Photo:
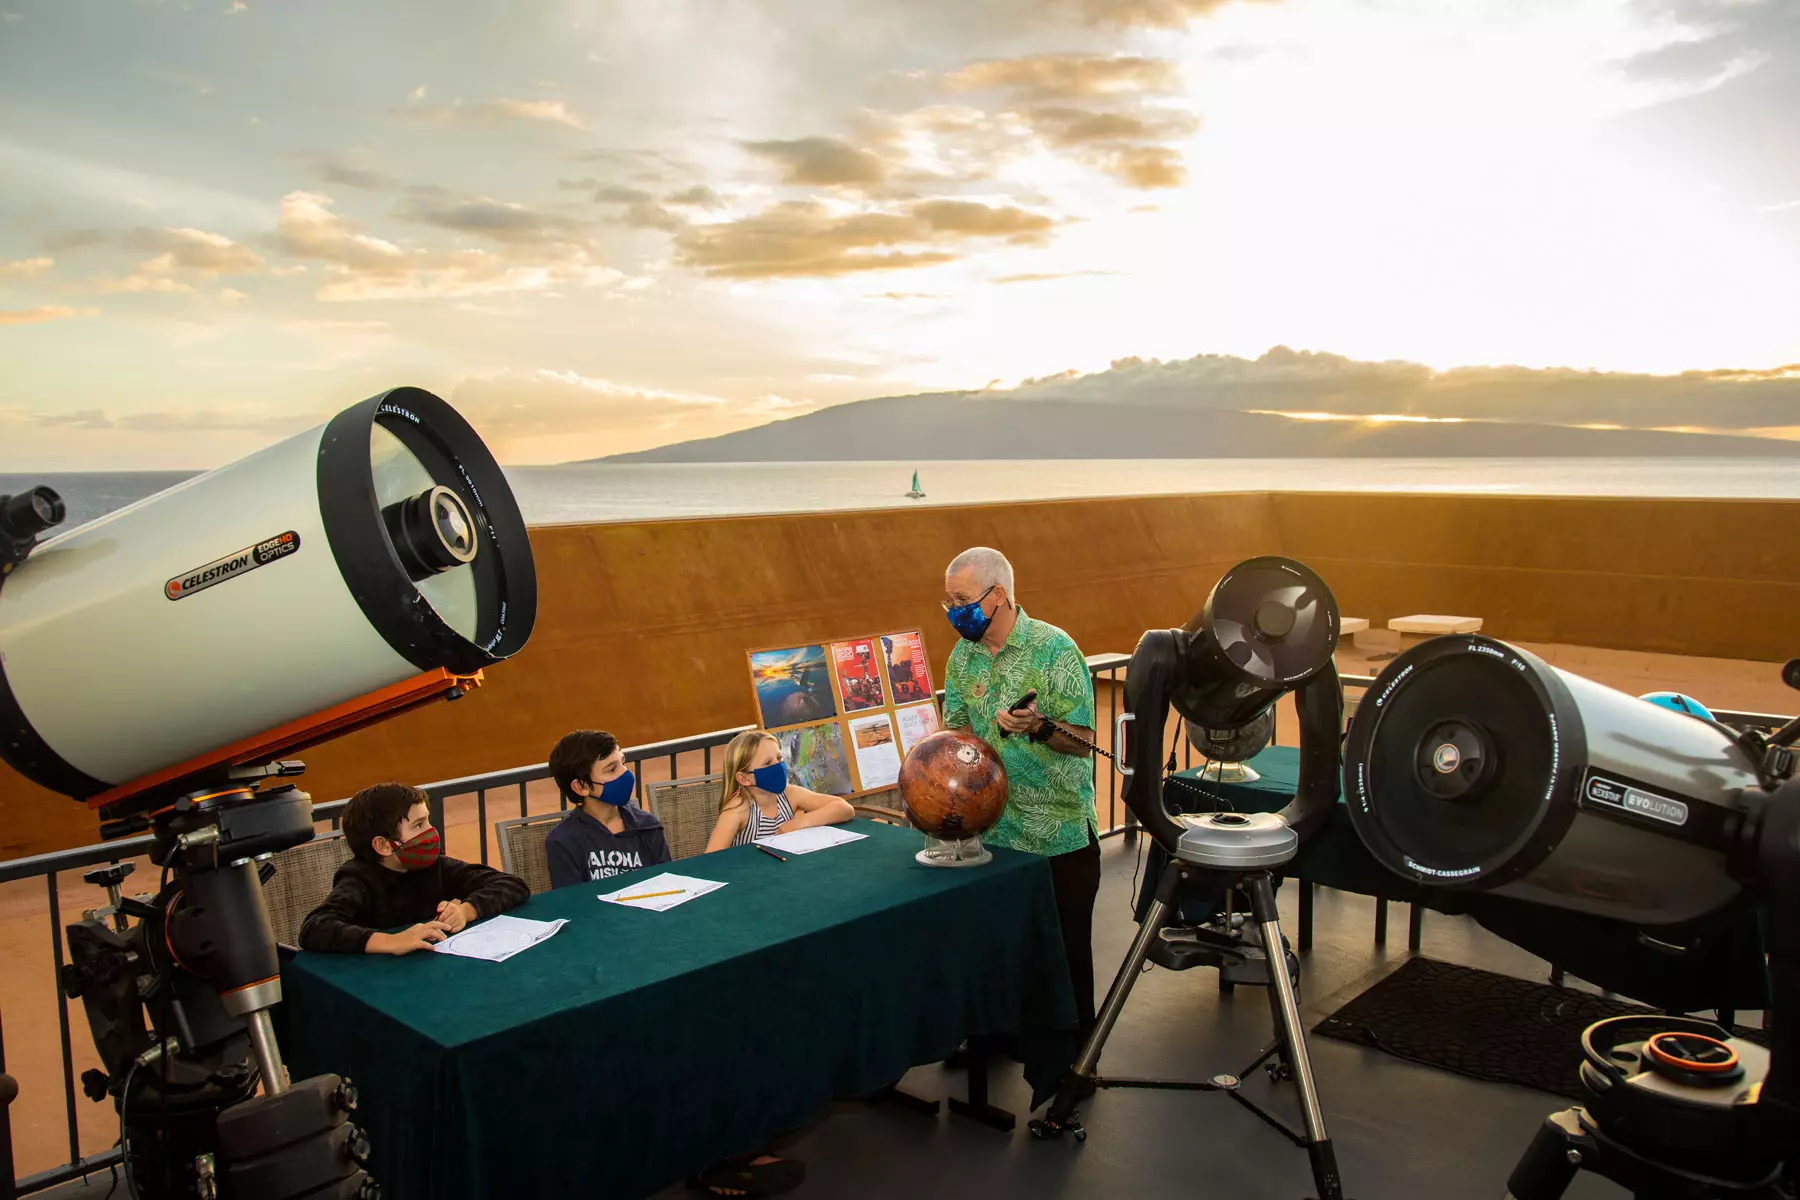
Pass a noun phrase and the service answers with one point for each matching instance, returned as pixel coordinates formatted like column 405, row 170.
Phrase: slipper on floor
column 765, row 1179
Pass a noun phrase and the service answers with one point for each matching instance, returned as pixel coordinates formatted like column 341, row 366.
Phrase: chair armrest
column 876, row 812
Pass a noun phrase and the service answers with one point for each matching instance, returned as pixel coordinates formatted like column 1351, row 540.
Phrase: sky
column 602, row 225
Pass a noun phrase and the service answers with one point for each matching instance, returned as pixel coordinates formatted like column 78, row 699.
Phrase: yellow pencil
column 652, row 895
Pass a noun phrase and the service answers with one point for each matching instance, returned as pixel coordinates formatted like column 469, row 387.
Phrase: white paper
column 877, row 758
column 916, row 724
column 498, row 938
column 805, row 841
column 682, row 888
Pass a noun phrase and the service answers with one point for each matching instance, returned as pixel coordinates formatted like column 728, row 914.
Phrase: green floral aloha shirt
column 1049, row 796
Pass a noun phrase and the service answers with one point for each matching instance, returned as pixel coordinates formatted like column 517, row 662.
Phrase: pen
column 769, row 852
column 653, row 895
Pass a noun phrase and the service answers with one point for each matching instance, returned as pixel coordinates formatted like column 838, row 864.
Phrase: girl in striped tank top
column 757, row 801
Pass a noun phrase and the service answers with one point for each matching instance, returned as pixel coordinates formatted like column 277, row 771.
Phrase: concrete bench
column 1424, row 626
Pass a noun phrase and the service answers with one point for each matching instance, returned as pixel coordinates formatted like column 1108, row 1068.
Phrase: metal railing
column 1102, row 668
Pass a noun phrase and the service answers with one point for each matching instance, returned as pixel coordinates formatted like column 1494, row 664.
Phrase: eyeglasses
column 950, row 604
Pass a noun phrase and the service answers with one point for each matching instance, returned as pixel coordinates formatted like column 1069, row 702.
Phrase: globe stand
column 954, row 852
column 1230, row 772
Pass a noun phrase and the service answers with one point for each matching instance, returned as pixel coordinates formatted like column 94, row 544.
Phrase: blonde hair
column 738, row 754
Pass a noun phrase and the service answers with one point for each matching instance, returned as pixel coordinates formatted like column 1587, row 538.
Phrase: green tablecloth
column 634, row 1048
column 1724, row 968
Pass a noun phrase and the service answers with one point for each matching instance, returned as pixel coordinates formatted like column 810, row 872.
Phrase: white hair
column 988, row 565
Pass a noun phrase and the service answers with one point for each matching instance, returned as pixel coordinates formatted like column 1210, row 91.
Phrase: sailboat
column 915, row 494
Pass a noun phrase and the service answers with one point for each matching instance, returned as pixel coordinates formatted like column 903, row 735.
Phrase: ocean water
column 636, row 491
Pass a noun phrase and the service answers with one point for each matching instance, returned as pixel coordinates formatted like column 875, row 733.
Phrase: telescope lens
column 1447, row 799
column 30, row 513
column 432, row 532
column 453, row 525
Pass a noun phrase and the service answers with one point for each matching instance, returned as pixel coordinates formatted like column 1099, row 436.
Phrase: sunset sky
column 598, row 227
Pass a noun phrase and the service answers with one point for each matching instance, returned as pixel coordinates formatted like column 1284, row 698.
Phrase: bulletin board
column 846, row 711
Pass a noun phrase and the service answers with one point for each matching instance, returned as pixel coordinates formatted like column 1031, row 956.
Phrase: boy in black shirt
column 604, row 834
column 398, row 877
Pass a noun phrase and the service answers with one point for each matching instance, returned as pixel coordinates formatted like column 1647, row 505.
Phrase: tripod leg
column 1075, row 1085
column 1292, row 1035
column 1550, row 1162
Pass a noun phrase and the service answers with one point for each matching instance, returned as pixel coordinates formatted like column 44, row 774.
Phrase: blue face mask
column 616, row 791
column 968, row 619
column 772, row 778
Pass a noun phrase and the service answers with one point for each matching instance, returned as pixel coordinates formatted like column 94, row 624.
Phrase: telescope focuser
column 22, row 518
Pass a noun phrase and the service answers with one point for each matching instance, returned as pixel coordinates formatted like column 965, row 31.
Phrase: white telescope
column 347, row 559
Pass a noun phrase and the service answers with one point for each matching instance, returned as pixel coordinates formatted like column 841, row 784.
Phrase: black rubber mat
column 1478, row 1024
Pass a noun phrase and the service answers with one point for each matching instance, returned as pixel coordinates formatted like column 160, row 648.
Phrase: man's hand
column 1023, row 721
column 420, row 937
column 453, row 915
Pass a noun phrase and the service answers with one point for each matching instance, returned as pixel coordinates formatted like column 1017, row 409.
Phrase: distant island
column 1290, row 404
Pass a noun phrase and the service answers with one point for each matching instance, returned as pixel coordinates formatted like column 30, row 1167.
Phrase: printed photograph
column 816, row 758
column 792, row 686
column 908, row 673
column 859, row 675
column 877, row 758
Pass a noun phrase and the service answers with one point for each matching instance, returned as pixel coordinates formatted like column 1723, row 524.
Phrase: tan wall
column 1704, row 577
column 643, row 626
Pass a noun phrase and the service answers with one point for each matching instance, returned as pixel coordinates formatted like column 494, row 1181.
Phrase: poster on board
column 909, row 675
column 859, row 675
column 877, row 757
column 816, row 758
column 793, row 686
column 916, row 724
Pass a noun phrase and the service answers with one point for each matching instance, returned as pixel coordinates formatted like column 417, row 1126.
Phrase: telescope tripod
column 1238, row 959
column 179, row 1008
column 1678, row 1108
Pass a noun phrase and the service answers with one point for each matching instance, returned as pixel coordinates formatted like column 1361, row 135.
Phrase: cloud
column 183, row 252
column 27, row 266
column 362, row 267
column 822, row 162
column 1123, row 145
column 640, row 209
column 497, row 112
column 499, row 220
column 151, row 276
column 196, row 250
column 81, row 418
column 701, row 196
column 237, row 6
column 232, row 296
column 1050, row 77
column 1307, row 382
column 804, row 238
column 1045, row 278
column 1105, row 111
column 74, row 239
column 48, row 312
column 333, row 168
column 1150, row 14
column 561, row 415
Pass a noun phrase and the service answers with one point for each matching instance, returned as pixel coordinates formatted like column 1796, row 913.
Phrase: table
column 634, row 1048
column 1725, row 970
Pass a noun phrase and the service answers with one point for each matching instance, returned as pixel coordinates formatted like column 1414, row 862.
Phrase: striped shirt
column 757, row 826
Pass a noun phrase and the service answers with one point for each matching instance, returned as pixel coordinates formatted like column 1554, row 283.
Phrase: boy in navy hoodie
column 604, row 834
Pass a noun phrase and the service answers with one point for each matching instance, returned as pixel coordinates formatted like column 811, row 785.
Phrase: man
column 604, row 834
column 1002, row 655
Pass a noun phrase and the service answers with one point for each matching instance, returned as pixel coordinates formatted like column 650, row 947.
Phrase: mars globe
column 953, row 785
